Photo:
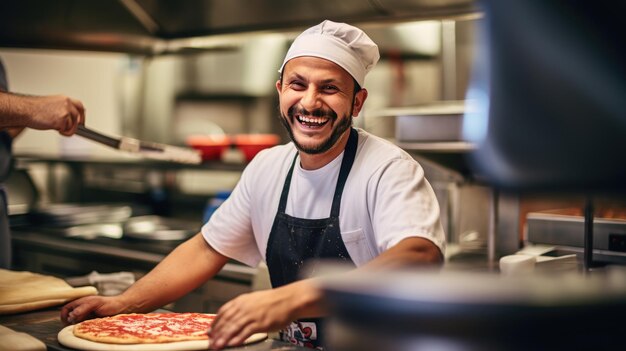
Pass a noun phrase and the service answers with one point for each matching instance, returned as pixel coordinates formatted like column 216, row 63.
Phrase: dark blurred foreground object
column 469, row 311
column 549, row 96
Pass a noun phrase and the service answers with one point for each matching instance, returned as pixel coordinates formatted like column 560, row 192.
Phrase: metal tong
column 146, row 149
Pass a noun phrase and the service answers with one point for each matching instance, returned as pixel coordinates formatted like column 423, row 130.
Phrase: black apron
column 293, row 242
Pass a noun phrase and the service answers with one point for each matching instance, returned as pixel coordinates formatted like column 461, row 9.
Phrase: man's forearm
column 187, row 267
column 306, row 298
column 306, row 295
column 414, row 251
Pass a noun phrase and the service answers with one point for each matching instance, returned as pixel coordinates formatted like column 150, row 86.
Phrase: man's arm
column 184, row 269
column 413, row 251
column 274, row 309
column 58, row 112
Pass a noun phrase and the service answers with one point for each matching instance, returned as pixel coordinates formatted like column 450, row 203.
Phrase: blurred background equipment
column 252, row 144
column 475, row 311
column 548, row 109
column 547, row 101
column 211, row 147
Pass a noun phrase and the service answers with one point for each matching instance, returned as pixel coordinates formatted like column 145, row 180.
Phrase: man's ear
column 278, row 86
column 359, row 100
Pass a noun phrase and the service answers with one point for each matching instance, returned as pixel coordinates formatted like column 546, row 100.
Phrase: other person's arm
column 57, row 112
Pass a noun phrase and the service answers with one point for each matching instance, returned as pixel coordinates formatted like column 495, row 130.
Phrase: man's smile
column 312, row 122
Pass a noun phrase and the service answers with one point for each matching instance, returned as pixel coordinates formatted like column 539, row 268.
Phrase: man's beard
column 337, row 131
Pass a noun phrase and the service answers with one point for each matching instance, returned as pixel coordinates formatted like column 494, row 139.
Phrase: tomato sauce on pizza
column 146, row 328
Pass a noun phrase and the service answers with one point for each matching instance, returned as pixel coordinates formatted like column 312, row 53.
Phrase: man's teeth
column 312, row 120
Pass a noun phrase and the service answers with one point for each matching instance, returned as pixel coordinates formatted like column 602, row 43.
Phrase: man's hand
column 264, row 311
column 171, row 279
column 91, row 307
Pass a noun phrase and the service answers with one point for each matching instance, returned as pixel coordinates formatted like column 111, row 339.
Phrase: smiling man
column 334, row 192
column 311, row 99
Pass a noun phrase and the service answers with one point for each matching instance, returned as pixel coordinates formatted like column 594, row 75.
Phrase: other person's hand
column 57, row 112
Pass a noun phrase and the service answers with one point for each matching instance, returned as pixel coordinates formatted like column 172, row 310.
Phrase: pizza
column 149, row 328
column 143, row 332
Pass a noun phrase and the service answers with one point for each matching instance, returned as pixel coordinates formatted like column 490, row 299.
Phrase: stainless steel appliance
column 433, row 122
column 565, row 230
column 159, row 228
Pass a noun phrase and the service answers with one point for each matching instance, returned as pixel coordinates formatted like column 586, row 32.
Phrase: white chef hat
column 346, row 45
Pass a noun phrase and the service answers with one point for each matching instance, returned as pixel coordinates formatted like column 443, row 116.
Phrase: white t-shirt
column 386, row 199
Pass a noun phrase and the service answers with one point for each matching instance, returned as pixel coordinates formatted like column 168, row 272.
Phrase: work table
column 39, row 251
column 49, row 253
column 46, row 324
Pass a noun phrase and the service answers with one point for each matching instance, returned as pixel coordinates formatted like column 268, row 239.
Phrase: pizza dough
column 11, row 340
column 67, row 338
column 26, row 291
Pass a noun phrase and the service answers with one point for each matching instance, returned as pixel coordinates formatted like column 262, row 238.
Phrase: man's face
column 317, row 102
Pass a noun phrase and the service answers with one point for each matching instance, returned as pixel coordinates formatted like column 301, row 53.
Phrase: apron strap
column 346, row 165
column 282, row 205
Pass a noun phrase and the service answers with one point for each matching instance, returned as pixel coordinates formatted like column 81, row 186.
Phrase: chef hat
column 341, row 43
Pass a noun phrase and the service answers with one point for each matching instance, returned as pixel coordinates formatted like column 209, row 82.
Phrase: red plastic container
column 251, row 144
column 211, row 146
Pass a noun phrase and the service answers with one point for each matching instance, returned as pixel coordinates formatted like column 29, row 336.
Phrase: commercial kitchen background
column 226, row 85
column 167, row 98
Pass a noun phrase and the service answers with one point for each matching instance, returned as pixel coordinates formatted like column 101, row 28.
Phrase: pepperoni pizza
column 146, row 328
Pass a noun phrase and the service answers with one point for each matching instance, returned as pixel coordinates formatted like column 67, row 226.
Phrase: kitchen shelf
column 24, row 159
column 449, row 154
column 438, row 147
column 160, row 186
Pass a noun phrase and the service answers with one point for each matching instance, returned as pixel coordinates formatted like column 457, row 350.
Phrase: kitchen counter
column 45, row 325
column 106, row 254
column 41, row 251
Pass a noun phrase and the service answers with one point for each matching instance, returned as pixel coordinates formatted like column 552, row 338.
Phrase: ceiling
column 147, row 26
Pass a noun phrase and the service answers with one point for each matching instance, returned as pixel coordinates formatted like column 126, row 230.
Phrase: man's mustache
column 294, row 110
